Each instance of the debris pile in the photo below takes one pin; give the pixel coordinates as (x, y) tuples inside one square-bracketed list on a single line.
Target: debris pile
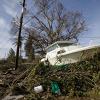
[(73, 80), (45, 82)]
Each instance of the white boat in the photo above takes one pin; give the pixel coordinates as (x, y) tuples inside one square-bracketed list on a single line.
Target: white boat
[(66, 52)]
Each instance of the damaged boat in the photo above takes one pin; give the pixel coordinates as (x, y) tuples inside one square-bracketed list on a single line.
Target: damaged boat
[(66, 52)]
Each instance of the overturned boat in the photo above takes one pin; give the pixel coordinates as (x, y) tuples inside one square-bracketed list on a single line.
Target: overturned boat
[(66, 52)]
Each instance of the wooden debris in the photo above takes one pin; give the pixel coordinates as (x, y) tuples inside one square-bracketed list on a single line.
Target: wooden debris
[(1, 82)]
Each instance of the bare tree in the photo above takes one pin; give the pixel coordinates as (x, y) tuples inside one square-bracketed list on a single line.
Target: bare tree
[(52, 23), (29, 49)]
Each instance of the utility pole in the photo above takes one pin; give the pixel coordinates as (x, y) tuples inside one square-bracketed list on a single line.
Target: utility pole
[(19, 35)]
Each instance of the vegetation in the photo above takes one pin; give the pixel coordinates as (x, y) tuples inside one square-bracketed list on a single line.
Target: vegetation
[(29, 49), (75, 80), (11, 56)]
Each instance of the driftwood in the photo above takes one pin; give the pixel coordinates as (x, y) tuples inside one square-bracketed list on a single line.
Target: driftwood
[(18, 97)]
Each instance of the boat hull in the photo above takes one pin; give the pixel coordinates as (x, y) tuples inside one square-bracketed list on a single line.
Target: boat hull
[(74, 57)]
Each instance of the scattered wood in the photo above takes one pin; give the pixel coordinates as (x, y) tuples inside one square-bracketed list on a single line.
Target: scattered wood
[(1, 82), (15, 97)]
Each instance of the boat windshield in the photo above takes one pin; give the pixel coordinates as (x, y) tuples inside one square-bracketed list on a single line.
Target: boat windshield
[(64, 44), (52, 47)]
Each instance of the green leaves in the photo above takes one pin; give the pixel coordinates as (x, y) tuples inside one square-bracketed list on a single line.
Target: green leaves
[(11, 55)]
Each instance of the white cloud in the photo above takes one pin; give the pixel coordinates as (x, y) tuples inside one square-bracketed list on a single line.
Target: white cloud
[(2, 21), (9, 11), (93, 33), (4, 29), (5, 43), (3, 25), (10, 7)]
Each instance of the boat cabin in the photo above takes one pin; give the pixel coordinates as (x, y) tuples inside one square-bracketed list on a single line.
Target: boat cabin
[(59, 44)]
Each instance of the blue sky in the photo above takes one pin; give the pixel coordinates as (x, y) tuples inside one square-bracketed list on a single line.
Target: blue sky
[(89, 8)]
